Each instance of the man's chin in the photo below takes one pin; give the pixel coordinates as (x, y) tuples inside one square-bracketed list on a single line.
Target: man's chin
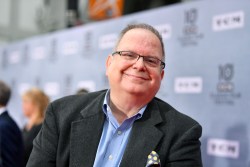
[(136, 91)]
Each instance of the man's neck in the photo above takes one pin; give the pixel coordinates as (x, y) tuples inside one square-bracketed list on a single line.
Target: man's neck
[(124, 105)]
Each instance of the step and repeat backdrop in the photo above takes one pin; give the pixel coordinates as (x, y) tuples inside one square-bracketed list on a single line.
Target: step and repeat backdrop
[(206, 76)]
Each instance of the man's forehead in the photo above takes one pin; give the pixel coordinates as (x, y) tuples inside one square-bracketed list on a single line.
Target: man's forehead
[(139, 31), (143, 35)]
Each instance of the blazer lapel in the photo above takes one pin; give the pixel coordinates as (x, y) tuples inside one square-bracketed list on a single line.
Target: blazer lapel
[(144, 137), (86, 134)]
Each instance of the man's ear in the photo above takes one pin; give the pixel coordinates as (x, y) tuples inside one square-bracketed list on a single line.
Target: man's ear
[(108, 62), (162, 74)]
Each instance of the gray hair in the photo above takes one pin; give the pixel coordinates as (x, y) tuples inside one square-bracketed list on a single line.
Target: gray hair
[(5, 93), (145, 27)]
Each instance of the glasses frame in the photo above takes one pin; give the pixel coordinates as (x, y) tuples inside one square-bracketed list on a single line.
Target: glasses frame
[(162, 64)]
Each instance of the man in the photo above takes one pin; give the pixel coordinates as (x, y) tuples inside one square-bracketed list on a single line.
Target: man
[(125, 126), (11, 145)]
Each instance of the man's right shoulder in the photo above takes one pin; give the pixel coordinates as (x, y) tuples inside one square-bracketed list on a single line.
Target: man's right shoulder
[(71, 106), (76, 99)]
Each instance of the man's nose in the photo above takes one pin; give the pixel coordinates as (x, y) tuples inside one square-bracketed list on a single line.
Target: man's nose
[(139, 64)]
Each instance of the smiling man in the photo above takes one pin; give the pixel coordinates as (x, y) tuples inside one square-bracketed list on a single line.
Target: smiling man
[(126, 125)]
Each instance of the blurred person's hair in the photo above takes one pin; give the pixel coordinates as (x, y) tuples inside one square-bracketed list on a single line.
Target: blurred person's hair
[(82, 91), (39, 98), (5, 93)]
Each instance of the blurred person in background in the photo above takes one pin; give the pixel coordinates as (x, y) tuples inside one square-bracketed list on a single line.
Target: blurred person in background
[(34, 103), (82, 91), (11, 143)]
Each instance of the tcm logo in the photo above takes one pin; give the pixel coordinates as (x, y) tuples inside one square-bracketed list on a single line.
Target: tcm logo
[(52, 88), (39, 53), (107, 41), (228, 21), (223, 148), (188, 85), (70, 48), (14, 57), (165, 30)]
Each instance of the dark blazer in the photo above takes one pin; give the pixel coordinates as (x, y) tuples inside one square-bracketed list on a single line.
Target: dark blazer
[(73, 126), (11, 143)]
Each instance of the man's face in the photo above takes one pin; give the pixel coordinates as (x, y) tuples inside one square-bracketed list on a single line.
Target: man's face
[(135, 77)]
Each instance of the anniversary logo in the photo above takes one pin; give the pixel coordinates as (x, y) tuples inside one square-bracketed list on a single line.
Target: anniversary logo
[(87, 38), (67, 84), (225, 88), (4, 59), (53, 53), (190, 33), (37, 81), (25, 55), (13, 84)]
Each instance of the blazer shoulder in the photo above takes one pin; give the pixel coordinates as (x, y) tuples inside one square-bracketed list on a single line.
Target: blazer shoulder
[(68, 109), (9, 127), (172, 116), (7, 121), (76, 101)]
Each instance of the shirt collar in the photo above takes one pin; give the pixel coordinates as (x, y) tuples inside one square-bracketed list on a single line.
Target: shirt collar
[(2, 110), (106, 106)]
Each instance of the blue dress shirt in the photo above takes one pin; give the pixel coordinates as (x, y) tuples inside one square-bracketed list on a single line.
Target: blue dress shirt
[(114, 137)]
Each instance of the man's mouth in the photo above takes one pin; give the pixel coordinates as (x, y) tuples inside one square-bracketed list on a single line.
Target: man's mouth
[(136, 76)]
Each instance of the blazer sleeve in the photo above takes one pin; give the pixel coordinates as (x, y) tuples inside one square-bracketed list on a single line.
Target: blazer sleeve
[(186, 151), (45, 144), (10, 147)]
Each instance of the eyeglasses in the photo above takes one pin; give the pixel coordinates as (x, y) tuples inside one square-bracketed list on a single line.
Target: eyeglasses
[(149, 61)]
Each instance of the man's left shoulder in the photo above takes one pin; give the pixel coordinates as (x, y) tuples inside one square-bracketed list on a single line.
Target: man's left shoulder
[(173, 116)]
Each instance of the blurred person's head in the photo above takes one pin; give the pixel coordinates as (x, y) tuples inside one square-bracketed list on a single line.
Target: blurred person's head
[(34, 103), (82, 91), (136, 66), (5, 93)]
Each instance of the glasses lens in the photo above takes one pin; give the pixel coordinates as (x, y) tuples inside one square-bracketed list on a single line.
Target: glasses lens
[(129, 55), (151, 61)]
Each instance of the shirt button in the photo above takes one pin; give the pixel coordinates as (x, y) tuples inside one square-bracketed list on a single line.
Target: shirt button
[(119, 132), (110, 157)]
